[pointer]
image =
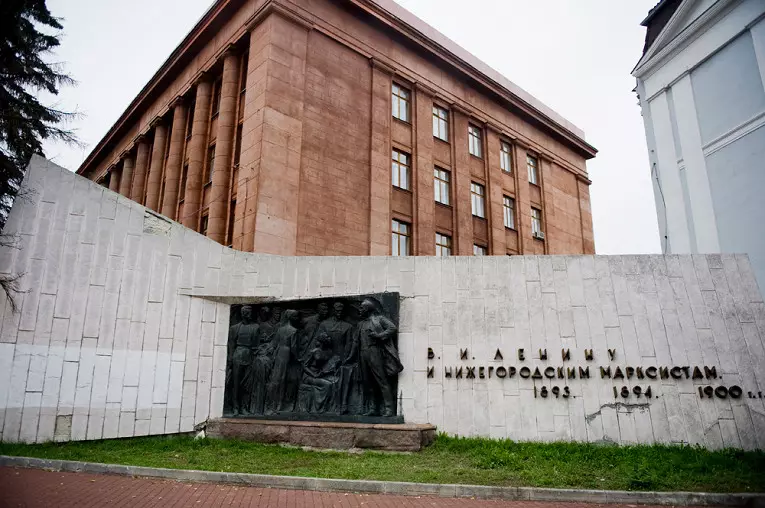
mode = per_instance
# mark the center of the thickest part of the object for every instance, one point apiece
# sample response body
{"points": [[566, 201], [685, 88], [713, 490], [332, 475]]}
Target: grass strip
{"points": [[449, 460]]}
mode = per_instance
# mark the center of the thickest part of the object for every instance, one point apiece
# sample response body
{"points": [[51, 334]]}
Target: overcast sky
{"points": [[573, 55]]}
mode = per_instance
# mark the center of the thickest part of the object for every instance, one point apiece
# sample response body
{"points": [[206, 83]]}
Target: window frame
{"points": [[397, 235], [396, 162], [536, 221], [475, 141], [400, 94], [478, 198], [216, 97], [532, 166], [480, 250], [508, 212], [439, 122], [443, 249], [439, 184], [207, 176], [505, 157], [204, 223]]}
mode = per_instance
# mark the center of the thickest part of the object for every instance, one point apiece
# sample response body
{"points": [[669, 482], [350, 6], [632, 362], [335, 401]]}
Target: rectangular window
{"points": [[440, 123], [230, 233], [477, 199], [400, 238], [400, 103], [474, 139], [238, 145], [441, 185], [536, 223], [400, 170], [189, 120], [208, 176], [505, 160], [215, 109], [532, 165], [203, 224], [479, 250], [184, 176], [509, 209], [443, 245]]}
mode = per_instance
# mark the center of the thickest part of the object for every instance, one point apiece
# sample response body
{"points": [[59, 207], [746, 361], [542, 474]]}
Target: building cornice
{"points": [[373, 8], [206, 28], [658, 54]]}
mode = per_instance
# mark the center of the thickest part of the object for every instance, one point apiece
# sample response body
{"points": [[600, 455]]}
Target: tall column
{"points": [[425, 232], [126, 180], [141, 167], [224, 148], [494, 192], [272, 140], [380, 159], [678, 232], [523, 200], [154, 183], [114, 179], [192, 200], [462, 242], [174, 159]]}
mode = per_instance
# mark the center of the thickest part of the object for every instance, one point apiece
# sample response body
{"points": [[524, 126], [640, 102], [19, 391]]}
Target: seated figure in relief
{"points": [[319, 384]]}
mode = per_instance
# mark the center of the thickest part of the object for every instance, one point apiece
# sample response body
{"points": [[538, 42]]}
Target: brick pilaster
{"points": [[224, 148], [269, 168], [462, 243], [174, 159], [154, 180], [197, 154], [522, 201], [425, 229], [380, 160], [495, 194], [585, 216], [141, 168]]}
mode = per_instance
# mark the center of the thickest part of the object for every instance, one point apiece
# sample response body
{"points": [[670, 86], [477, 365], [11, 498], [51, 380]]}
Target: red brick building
{"points": [[346, 127]]}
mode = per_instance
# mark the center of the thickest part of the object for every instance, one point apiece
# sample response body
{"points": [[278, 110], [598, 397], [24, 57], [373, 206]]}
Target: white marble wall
{"points": [[124, 317]]}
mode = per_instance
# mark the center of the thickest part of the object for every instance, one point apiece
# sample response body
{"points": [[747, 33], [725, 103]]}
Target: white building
{"points": [[700, 82]]}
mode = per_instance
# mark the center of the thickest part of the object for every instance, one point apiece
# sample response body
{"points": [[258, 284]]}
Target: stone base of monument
{"points": [[405, 437]]}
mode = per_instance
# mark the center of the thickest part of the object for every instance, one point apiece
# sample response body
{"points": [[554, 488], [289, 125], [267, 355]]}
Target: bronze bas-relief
{"points": [[323, 359]]}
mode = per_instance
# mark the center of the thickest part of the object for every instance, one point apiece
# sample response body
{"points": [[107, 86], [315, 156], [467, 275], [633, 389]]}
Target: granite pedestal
{"points": [[333, 435]]}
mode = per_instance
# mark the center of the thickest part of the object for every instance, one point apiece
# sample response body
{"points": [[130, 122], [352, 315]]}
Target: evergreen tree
{"points": [[24, 121]]}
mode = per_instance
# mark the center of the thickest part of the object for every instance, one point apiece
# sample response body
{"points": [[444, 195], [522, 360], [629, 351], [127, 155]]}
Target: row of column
{"points": [[144, 166]]}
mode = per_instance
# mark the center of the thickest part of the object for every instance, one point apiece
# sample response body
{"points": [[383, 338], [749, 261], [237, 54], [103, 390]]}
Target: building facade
{"points": [[700, 82], [346, 128]]}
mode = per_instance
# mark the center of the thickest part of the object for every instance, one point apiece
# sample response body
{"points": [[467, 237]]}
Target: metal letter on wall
{"points": [[332, 359]]}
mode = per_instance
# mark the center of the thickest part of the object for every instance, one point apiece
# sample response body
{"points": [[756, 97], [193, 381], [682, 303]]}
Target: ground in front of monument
{"points": [[33, 488]]}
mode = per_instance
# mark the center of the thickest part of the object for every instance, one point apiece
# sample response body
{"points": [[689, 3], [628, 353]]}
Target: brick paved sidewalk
{"points": [[33, 487]]}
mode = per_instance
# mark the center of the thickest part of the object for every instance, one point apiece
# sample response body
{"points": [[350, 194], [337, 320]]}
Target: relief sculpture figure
{"points": [[332, 359], [378, 360], [318, 388], [279, 387], [243, 338]]}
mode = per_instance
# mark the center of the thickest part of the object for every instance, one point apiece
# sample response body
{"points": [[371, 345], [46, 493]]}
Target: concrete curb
{"points": [[397, 488]]}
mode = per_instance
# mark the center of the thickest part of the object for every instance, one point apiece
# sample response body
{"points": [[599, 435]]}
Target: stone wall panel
{"points": [[139, 348]]}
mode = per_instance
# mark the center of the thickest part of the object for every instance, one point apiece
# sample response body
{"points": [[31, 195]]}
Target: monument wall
{"points": [[124, 320]]}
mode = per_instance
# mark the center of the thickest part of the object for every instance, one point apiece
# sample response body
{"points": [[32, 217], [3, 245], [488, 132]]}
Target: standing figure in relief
{"points": [[378, 359], [285, 359], [310, 329], [243, 338], [340, 333]]}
